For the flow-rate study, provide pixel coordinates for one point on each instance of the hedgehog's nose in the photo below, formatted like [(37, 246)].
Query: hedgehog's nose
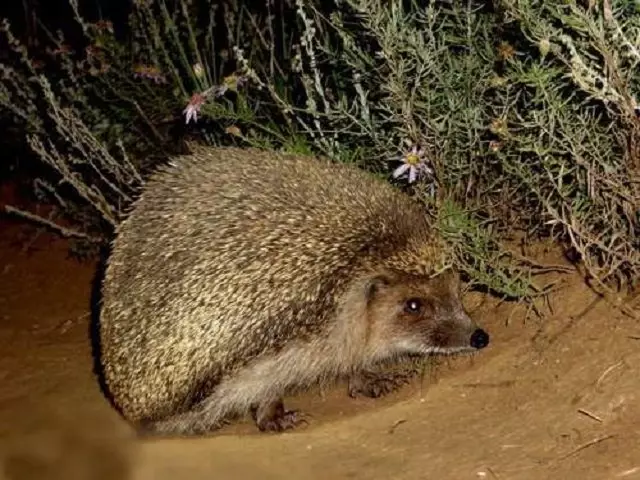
[(479, 339)]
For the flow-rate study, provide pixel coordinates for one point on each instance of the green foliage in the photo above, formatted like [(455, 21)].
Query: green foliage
[(572, 141), (481, 258)]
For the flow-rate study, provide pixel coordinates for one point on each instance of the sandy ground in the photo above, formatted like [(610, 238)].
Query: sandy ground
[(556, 398)]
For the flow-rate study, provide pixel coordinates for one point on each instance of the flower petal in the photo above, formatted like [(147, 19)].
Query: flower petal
[(413, 173), (426, 169), (190, 113), (401, 170)]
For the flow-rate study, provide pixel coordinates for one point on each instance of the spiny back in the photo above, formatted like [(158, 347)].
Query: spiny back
[(248, 249)]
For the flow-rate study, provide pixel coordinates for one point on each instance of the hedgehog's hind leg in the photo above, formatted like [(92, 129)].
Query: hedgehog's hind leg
[(187, 424), (270, 416), (206, 416)]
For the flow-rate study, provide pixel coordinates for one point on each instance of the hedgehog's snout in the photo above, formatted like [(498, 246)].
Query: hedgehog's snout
[(479, 339)]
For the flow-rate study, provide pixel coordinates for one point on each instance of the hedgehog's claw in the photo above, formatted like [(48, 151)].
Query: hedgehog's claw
[(272, 417)]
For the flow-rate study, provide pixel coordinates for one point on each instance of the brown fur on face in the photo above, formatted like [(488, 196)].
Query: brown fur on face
[(414, 314)]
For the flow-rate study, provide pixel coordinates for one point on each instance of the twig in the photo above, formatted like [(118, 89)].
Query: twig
[(396, 424), (27, 245), (540, 267), (589, 414), (607, 372), (628, 472), (495, 475), (591, 443), (65, 232)]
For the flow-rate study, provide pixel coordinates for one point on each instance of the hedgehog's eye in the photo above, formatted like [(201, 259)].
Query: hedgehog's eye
[(413, 305)]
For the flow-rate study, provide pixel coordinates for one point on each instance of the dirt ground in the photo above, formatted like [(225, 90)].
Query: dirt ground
[(556, 398)]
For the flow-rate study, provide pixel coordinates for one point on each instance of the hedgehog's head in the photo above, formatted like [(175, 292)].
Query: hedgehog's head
[(415, 314)]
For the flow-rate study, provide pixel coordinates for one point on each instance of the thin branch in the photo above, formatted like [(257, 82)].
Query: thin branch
[(65, 232)]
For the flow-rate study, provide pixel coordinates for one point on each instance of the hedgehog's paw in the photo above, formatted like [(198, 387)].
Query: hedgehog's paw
[(270, 416), (377, 384)]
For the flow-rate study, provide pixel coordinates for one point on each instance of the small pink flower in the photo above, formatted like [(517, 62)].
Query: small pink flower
[(232, 82), (414, 164), (193, 107)]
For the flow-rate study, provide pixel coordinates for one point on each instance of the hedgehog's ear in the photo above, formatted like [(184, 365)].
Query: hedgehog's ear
[(375, 283), (450, 278)]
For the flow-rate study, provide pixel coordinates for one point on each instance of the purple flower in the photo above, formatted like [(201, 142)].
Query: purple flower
[(414, 165), (193, 108), (232, 82)]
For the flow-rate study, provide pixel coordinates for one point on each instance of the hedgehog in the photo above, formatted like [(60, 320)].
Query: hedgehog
[(241, 275)]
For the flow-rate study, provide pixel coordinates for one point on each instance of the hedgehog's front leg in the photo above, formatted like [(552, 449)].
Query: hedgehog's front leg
[(270, 416)]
